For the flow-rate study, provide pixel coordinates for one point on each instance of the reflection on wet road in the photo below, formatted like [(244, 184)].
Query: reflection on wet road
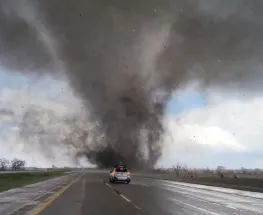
[(92, 194)]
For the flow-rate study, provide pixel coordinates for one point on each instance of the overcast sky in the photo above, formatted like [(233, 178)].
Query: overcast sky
[(203, 129), (206, 54)]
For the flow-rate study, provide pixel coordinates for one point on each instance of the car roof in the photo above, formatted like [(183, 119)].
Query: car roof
[(120, 166)]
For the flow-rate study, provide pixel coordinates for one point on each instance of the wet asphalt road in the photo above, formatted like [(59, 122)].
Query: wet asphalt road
[(21, 200), (92, 195)]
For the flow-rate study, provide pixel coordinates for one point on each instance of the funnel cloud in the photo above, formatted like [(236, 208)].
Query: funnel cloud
[(124, 59)]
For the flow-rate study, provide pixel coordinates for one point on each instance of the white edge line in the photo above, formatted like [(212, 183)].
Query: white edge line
[(125, 198)]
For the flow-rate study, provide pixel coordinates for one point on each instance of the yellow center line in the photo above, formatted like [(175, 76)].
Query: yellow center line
[(44, 206)]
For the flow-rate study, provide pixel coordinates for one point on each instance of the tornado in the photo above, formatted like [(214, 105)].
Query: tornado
[(125, 59)]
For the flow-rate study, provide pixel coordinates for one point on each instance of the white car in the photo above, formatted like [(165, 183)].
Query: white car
[(120, 174)]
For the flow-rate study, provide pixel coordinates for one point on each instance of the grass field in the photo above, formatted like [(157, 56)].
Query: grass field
[(14, 180), (241, 183)]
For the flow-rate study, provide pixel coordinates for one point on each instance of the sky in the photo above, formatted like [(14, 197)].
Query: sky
[(202, 128), (219, 44)]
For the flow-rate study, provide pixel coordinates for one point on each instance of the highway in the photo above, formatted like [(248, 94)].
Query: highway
[(92, 194), (22, 200)]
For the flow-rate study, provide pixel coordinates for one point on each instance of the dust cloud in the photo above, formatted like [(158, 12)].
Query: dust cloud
[(124, 59)]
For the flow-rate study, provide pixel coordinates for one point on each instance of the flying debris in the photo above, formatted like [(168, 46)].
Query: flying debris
[(114, 58)]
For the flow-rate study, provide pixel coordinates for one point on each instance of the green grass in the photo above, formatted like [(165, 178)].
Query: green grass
[(14, 180)]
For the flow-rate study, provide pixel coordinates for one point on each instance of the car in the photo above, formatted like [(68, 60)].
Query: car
[(120, 174)]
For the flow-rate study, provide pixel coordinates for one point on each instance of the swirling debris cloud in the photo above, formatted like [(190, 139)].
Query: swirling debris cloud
[(125, 58)]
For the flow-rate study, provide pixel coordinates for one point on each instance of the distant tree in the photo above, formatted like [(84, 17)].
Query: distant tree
[(208, 171), (185, 168), (17, 164), (178, 169), (244, 170), (3, 164), (220, 170)]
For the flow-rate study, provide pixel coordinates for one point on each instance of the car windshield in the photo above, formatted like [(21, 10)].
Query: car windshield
[(138, 84), (121, 169)]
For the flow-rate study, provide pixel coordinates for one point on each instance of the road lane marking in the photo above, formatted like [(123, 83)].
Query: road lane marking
[(125, 198), (117, 191), (194, 207), (108, 184), (44, 206), (129, 201), (136, 206), (121, 195)]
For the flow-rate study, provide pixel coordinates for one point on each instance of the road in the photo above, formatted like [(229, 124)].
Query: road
[(20, 201), (91, 194)]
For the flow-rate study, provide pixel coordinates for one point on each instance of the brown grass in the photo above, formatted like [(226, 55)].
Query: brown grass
[(242, 179)]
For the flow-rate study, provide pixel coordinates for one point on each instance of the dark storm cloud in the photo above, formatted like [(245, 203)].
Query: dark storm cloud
[(103, 48), (218, 43)]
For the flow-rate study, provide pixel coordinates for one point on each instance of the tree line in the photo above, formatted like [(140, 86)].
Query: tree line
[(14, 164), (221, 171)]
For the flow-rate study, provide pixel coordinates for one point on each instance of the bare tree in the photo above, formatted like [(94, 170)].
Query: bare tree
[(3, 164), (220, 171), (244, 170), (17, 164), (178, 169), (208, 171)]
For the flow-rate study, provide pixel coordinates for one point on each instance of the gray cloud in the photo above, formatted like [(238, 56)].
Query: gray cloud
[(124, 64)]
